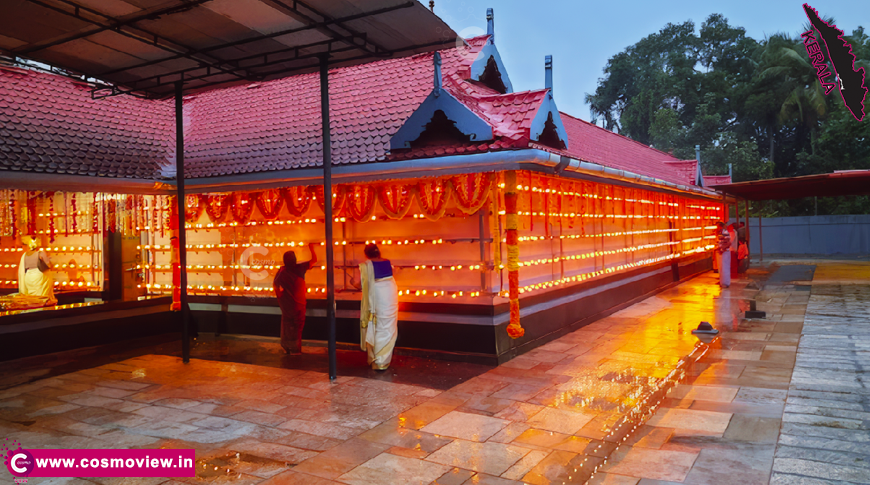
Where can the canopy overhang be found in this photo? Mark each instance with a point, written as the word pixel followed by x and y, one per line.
pixel 851 182
pixel 146 46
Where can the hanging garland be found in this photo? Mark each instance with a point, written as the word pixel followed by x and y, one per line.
pixel 13 217
pixel 339 197
pixel 495 230
pixel 111 215
pixel 361 202
pixel 194 207
pixel 514 329
pixel 52 230
pixel 395 200
pixel 242 207
pixel 432 198
pixel 297 199
pixel 31 213
pixel 269 203
pixel 472 190
pixel 216 206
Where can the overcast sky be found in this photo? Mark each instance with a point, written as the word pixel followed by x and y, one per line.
pixel 583 35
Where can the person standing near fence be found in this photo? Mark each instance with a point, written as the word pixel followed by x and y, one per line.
pixel 723 248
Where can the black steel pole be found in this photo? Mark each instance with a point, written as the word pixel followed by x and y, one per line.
pixel 327 209
pixel 182 223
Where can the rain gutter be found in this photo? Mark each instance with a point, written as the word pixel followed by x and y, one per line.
pixel 10 179
pixel 528 159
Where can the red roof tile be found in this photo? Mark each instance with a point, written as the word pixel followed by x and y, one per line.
pixel 591 143
pixel 710 180
pixel 49 123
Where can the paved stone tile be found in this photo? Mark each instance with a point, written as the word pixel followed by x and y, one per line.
pixel 720 466
pixel 704 393
pixel 391 469
pixel 560 420
pixel 655 464
pixel 490 458
pixel 753 429
pixel 525 465
pixel 341 459
pixel 821 470
pixel 467 426
pixel 390 433
pixel 456 476
pixel 706 421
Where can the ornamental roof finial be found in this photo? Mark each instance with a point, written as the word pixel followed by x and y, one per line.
pixel 548 73
pixel 490 25
pixel 436 58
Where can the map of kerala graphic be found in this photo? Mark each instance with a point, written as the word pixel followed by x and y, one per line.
pixel 851 80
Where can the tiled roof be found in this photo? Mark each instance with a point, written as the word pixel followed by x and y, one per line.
pixel 710 180
pixel 688 170
pixel 591 143
pixel 49 124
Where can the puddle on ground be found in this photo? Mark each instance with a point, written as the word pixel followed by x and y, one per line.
pixel 233 465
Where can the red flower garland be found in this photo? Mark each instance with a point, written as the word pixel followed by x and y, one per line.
pixel 14 215
pixel 51 228
pixel 193 208
pixel 472 190
pixel 297 199
pixel 269 202
pixel 31 213
pixel 111 216
pixel 339 197
pixel 242 207
pixel 432 198
pixel 361 203
pixel 395 199
pixel 216 206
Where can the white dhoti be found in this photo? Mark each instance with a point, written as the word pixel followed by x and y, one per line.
pixel 379 316
pixel 725 269
pixel 33 282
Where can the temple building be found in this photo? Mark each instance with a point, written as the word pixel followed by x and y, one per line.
pixel 508 222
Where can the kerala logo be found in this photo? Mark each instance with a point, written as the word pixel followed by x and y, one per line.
pixel 830 39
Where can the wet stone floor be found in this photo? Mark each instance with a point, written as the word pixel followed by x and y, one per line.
pixel 634 398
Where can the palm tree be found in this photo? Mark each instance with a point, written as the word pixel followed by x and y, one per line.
pixel 785 60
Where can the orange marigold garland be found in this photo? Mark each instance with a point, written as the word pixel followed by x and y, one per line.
pixel 194 207
pixel 472 190
pixel 395 200
pixel 269 203
pixel 242 207
pixel 432 198
pixel 297 199
pixel 216 206
pixel 361 202
pixel 514 329
pixel 339 197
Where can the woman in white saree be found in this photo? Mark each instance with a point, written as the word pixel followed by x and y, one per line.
pixel 379 308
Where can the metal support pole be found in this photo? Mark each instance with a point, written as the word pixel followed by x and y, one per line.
pixel 746 207
pixel 327 209
pixel 182 223
pixel 760 240
pixel 481 217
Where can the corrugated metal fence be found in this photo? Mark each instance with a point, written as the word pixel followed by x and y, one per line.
pixel 821 235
